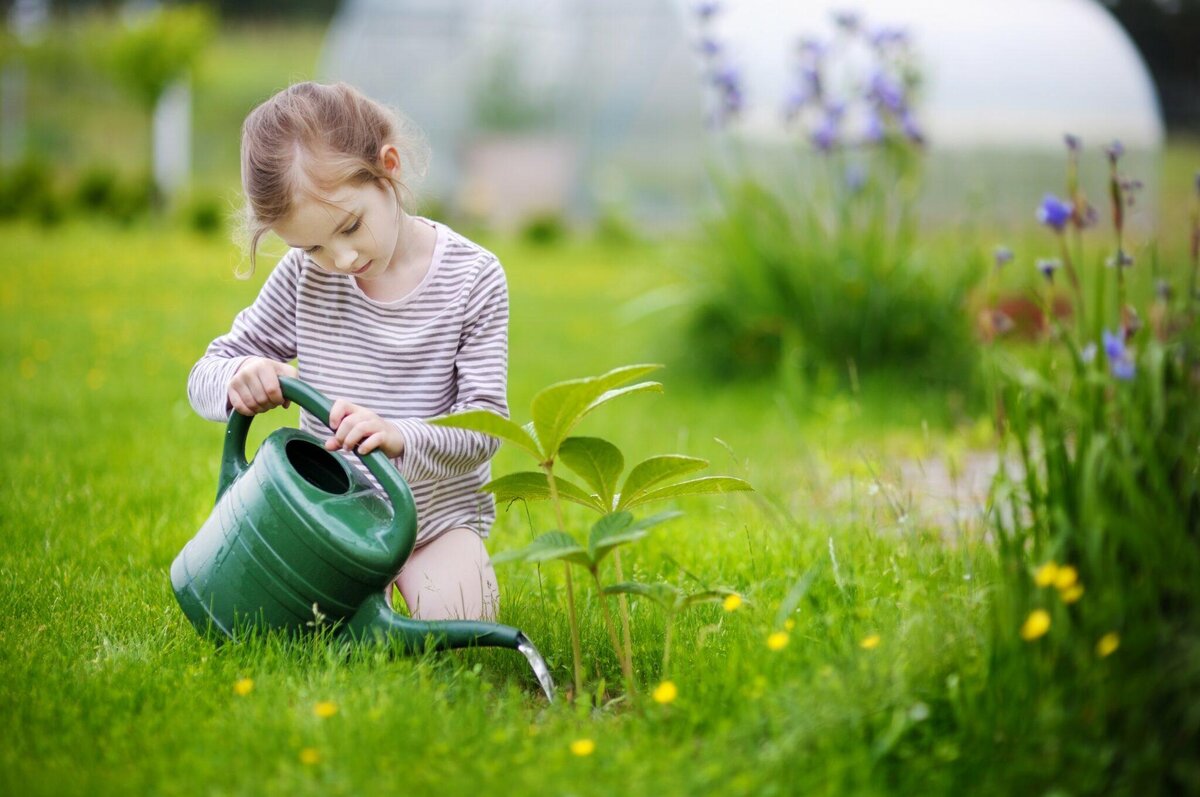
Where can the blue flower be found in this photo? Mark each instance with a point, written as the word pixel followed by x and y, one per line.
pixel 873 130
pixel 1114 151
pixel 1054 213
pixel 1120 363
pixel 1114 345
pixel 1073 142
pixel 709 47
pixel 707 10
pixel 883 36
pixel 825 136
pixel 1003 256
pixel 846 20
pixel 1048 266
pixel 912 131
pixel 886 92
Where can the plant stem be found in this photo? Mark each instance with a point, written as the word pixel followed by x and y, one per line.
pixel 667 645
pixel 623 605
pixel 626 670
pixel 558 514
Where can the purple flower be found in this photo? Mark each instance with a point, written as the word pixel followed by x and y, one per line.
pixel 846 20
pixel 825 136
pixel 1073 142
pixel 883 36
pixel 726 77
pixel 811 48
pixel 707 10
pixel 1114 345
pixel 1048 266
pixel 1003 256
pixel 873 130
pixel 1124 370
pixel 1114 151
pixel 709 47
pixel 1054 213
pixel 912 131
pixel 886 92
pixel 795 103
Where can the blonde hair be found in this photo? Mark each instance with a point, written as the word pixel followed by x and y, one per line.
pixel 317 136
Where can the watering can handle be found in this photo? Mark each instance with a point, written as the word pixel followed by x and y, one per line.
pixel 233 458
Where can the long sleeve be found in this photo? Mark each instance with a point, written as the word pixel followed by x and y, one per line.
pixel 267 328
pixel 481 369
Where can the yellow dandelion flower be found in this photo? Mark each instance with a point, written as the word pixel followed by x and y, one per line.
pixel 789 624
pixel 665 692
pixel 243 686
pixel 1108 644
pixel 310 756
pixel 1066 577
pixel 777 640
pixel 1036 625
pixel 869 643
pixel 732 602
pixel 1072 594
pixel 325 709
pixel 1046 575
pixel 583 747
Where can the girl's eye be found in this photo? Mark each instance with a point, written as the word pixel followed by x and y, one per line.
pixel 353 227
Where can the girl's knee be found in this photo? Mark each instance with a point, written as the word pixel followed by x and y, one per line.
pixel 450 578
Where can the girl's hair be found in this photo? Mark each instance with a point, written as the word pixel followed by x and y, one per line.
pixel 316 136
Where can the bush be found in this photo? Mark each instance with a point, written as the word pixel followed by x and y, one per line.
pixel 544 229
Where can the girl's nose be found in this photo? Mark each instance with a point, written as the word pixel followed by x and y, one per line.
pixel 343 259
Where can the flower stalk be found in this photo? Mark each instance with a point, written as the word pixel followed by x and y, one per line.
pixel 548 467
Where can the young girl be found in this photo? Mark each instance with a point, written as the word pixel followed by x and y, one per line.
pixel 396 317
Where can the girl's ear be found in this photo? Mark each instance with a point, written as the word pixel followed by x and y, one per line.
pixel 389 159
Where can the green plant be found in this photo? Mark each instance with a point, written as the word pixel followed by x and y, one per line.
pixel 810 259
pixel 556 411
pixel 1100 498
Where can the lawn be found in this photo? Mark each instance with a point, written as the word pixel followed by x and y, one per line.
pixel 108 688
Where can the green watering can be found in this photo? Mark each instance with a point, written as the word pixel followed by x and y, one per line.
pixel 298 535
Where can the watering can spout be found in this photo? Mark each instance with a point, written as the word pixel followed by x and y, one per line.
pixel 377 622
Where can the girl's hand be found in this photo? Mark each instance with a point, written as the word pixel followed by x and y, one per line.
pixel 255 388
pixel 358 429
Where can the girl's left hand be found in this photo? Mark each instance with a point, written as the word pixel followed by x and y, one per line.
pixel 358 429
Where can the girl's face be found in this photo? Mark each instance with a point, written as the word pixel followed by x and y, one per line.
pixel 353 230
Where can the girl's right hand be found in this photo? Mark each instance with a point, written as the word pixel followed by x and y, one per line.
pixel 255 388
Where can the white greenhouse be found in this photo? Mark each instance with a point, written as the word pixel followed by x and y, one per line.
pixel 581 106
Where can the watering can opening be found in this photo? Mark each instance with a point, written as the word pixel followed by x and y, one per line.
pixel 318 467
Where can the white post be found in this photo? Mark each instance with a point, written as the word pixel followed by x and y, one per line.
pixel 173 138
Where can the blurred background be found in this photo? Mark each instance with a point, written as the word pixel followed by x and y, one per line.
pixel 579 110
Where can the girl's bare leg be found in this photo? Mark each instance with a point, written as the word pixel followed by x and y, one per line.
pixel 451 578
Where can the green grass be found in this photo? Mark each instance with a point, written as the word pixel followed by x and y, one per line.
pixel 107 688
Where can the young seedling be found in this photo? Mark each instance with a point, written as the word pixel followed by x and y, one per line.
pixel 556 411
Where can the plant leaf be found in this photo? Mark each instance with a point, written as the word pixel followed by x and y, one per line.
pixel 706 485
pixel 609 395
pixel 492 424
pixel 655 470
pixel 618 529
pixel 532 486
pixel 596 461
pixel 548 547
pixel 559 407
pixel 663 594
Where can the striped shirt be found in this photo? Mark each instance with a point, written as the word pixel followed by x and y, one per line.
pixel 442 348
